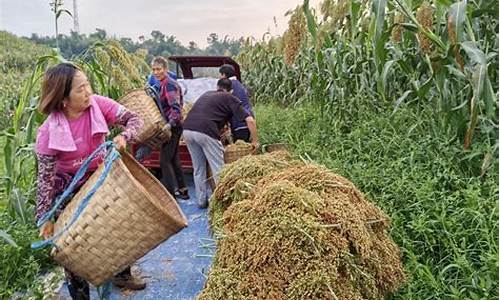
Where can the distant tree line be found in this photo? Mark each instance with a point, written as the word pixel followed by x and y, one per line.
pixel 157 44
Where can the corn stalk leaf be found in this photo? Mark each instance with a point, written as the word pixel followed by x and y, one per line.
pixel 444 2
pixel 489 99
pixel 8 238
pixel 378 10
pixel 456 72
pixel 429 34
pixel 478 82
pixel 460 106
pixel 8 159
pixel 311 22
pixel 18 202
pixel 424 88
pixel 61 11
pixel 355 8
pixel 382 79
pixel 408 26
pixel 474 53
pixel 30 124
pixel 456 19
pixel 401 99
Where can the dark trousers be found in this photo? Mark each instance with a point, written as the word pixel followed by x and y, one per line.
pixel 241 134
pixel 170 163
pixel 79 287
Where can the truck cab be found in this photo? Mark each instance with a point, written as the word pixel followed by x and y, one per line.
pixel 188 68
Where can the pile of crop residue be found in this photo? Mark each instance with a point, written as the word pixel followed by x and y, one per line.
pixel 236 180
pixel 304 233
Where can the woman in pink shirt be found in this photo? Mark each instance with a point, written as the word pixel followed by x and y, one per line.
pixel 76 125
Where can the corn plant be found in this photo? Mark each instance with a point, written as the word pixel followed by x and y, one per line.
pixel 449 61
pixel 7 238
pixel 401 96
pixel 19 176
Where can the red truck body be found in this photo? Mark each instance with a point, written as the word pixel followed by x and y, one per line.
pixel 185 69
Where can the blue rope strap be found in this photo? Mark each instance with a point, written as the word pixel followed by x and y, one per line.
pixel 111 155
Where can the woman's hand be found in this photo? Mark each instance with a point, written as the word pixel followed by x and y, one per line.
pixel 120 142
pixel 47 230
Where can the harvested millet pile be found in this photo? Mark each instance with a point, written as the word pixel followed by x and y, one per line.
pixel 287 242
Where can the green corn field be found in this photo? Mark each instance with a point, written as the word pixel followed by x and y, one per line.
pixel 399 96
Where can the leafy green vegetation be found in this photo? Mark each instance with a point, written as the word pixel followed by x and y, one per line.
pixel 400 97
pixel 18 57
pixel 442 201
pixel 19 264
pixel 348 61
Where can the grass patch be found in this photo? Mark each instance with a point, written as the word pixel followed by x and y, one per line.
pixel 20 266
pixel 3 201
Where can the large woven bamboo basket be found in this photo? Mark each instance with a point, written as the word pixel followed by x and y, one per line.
pixel 154 132
pixel 129 215
pixel 233 152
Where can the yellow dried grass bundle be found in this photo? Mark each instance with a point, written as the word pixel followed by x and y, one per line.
pixel 237 180
pixel 304 233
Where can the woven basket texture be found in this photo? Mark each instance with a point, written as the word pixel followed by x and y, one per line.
pixel 154 132
pixel 232 155
pixel 130 214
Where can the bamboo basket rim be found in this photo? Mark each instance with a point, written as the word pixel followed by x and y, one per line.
pixel 146 192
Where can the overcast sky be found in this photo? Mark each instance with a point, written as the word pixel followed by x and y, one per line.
pixel 188 20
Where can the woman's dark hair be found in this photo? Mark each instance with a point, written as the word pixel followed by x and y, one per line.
pixel 227 70
pixel 56 87
pixel 225 84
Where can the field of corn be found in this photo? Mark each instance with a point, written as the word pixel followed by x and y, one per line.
pixel 399 96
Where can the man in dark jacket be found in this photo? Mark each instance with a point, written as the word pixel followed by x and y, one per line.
pixel 239 130
pixel 202 126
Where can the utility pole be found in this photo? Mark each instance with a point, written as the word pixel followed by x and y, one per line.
pixel 76 24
